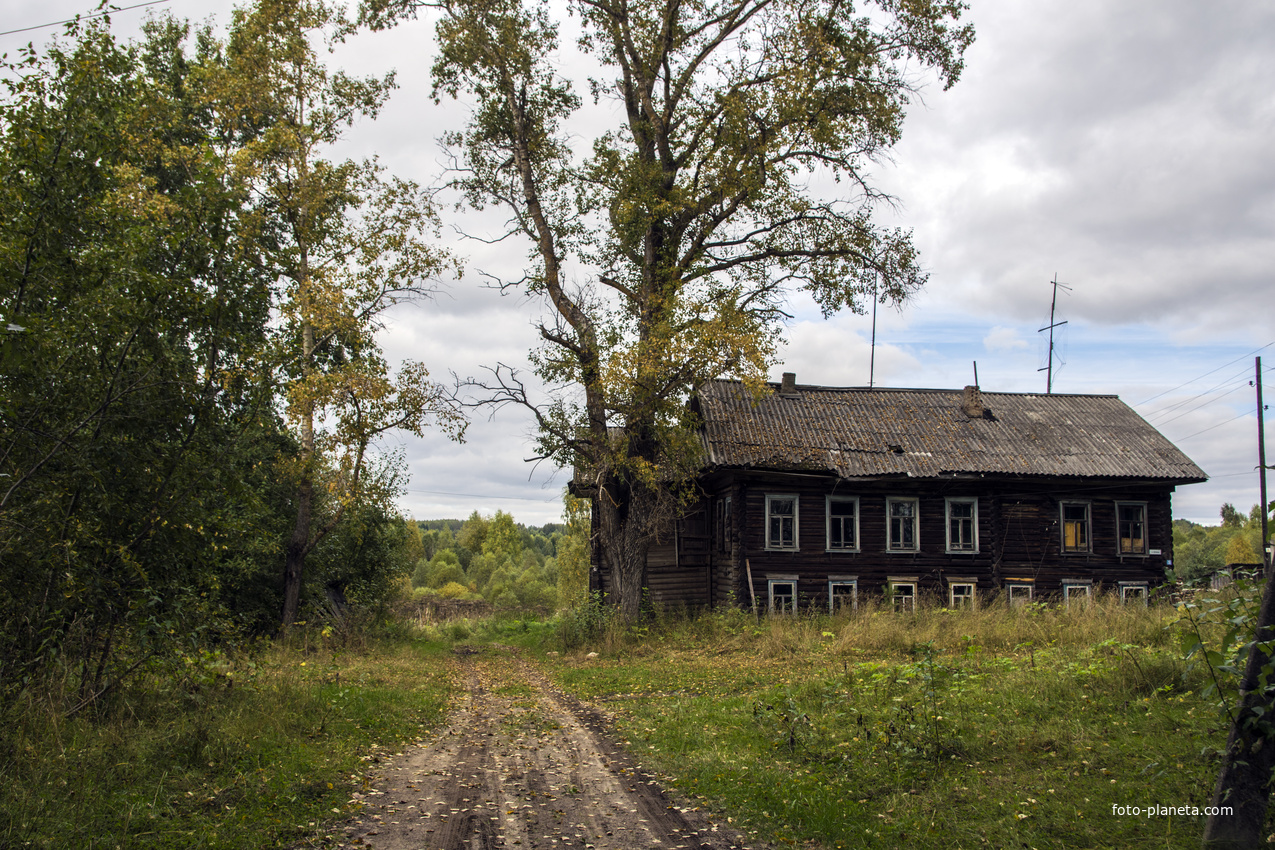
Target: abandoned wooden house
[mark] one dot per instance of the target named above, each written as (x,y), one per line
(823,496)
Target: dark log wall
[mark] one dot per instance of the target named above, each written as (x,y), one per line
(1019,537)
(677,565)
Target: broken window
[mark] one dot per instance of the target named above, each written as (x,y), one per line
(1131,517)
(843,524)
(782,594)
(781,522)
(903,515)
(1019,593)
(962,525)
(1075,526)
(960,594)
(843,594)
(903,595)
(1077,590)
(1133,592)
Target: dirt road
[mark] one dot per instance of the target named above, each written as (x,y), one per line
(523,766)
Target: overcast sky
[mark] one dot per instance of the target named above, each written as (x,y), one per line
(1125,148)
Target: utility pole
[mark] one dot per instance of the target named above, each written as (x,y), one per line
(1053,303)
(1244,782)
(1261,470)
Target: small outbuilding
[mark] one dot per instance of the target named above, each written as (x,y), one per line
(823,496)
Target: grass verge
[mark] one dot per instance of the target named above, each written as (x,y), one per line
(260,752)
(1001,727)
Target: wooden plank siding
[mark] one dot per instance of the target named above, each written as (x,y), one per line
(1019,540)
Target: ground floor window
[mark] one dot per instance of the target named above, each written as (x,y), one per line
(781,593)
(843,593)
(960,594)
(1133,592)
(1077,590)
(1019,592)
(902,591)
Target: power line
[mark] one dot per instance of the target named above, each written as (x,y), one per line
(1211,427)
(83,17)
(1189,399)
(1210,372)
(1200,405)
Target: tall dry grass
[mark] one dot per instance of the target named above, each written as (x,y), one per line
(875,627)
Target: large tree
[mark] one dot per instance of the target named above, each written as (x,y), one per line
(134,301)
(348,244)
(735,173)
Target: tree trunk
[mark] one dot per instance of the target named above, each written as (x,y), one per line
(299,544)
(1244,781)
(626,513)
(294,556)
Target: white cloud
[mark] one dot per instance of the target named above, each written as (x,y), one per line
(1002,338)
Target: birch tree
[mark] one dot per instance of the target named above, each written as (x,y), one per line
(350,243)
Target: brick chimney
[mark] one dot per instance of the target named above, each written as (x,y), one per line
(789,385)
(972,403)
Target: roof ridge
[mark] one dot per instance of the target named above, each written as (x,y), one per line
(823,388)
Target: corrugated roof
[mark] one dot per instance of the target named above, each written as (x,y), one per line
(860,432)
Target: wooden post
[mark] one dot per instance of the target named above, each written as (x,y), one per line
(752,595)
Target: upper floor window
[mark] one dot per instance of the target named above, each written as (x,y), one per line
(1131,519)
(902,515)
(843,524)
(962,525)
(1075,526)
(722,523)
(781,522)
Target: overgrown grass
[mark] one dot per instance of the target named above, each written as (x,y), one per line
(996,727)
(242,753)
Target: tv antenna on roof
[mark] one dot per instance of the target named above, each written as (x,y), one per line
(1053,303)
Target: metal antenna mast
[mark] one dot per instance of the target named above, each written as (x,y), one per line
(872,359)
(1053,303)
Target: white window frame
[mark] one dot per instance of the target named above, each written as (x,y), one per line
(1062,519)
(972,501)
(908,600)
(1077,588)
(1141,588)
(1120,550)
(827,512)
(771,583)
(851,582)
(1019,592)
(796,523)
(889,524)
(972,596)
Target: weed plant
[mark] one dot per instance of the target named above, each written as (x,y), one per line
(941,728)
(252,751)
